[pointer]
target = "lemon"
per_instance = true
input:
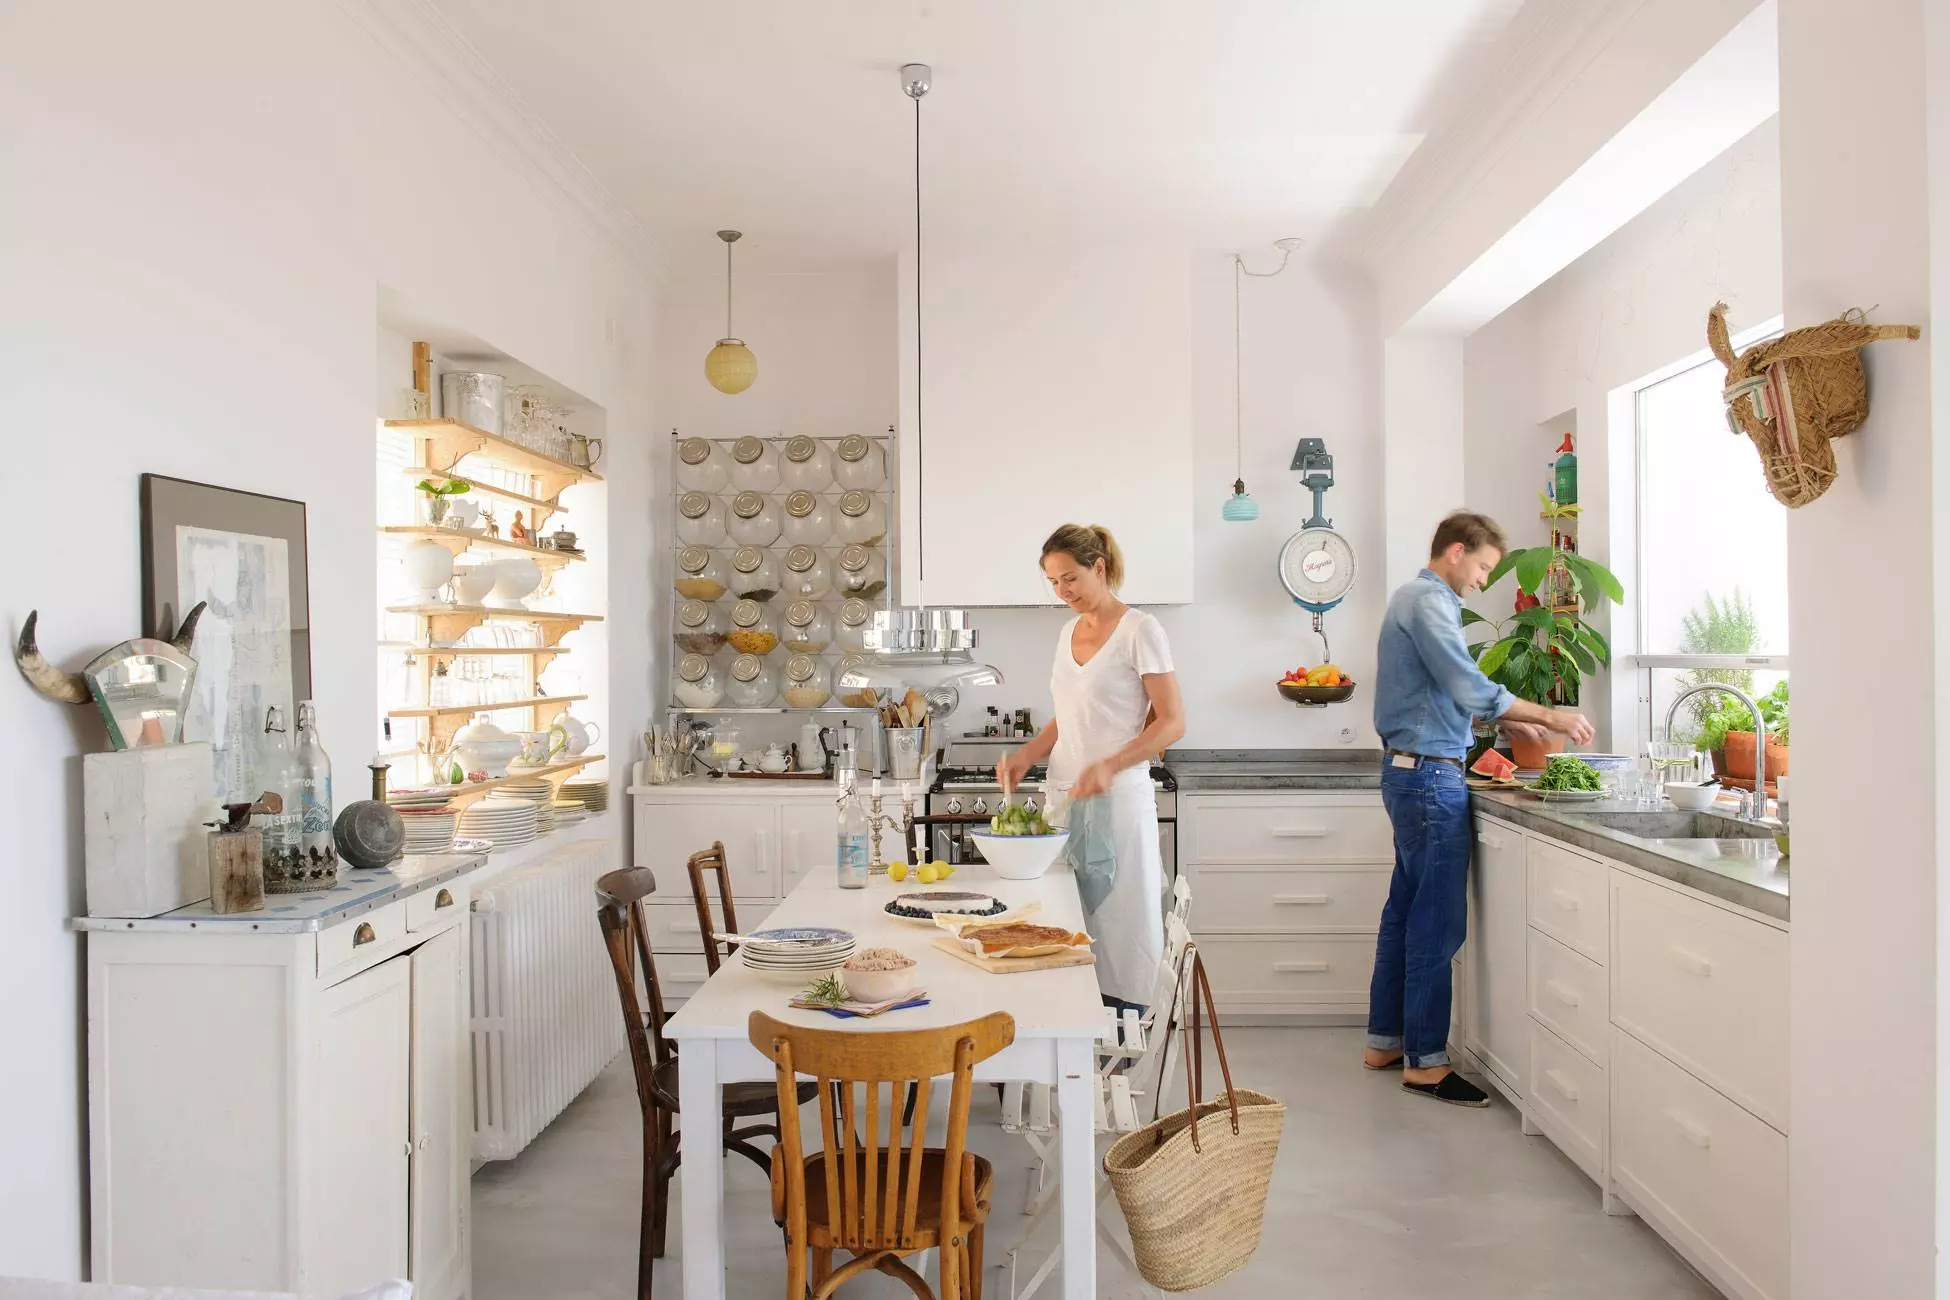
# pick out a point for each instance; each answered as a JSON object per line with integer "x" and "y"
{"x": 943, "y": 870}
{"x": 897, "y": 871}
{"x": 926, "y": 874}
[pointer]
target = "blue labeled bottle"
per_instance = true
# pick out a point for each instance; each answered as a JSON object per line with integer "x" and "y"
{"x": 851, "y": 848}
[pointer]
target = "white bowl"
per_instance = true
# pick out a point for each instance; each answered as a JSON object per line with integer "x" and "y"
{"x": 513, "y": 580}
{"x": 1020, "y": 857}
{"x": 879, "y": 985}
{"x": 472, "y": 584}
{"x": 428, "y": 565}
{"x": 1690, "y": 797}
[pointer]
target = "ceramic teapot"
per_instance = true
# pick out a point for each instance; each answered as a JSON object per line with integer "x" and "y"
{"x": 575, "y": 735}
{"x": 773, "y": 760}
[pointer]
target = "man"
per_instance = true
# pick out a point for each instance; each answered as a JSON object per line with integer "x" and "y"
{"x": 1427, "y": 690}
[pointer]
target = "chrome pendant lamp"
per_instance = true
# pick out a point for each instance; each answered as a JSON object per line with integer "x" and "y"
{"x": 730, "y": 366}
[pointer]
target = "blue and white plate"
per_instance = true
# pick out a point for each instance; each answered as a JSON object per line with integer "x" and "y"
{"x": 803, "y": 936}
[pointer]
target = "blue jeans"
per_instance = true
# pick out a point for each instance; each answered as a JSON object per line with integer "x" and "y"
{"x": 1426, "y": 916}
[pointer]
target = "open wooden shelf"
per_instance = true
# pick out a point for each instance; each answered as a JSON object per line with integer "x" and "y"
{"x": 448, "y": 441}
{"x": 468, "y": 793}
{"x": 452, "y": 622}
{"x": 452, "y": 652}
{"x": 547, "y": 508}
{"x": 452, "y": 710}
{"x": 459, "y": 543}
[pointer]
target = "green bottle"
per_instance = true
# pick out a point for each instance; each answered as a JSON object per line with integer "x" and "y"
{"x": 1566, "y": 485}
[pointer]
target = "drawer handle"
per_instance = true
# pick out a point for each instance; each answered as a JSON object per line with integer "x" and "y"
{"x": 1488, "y": 840}
{"x": 1693, "y": 962}
{"x": 1565, "y": 899}
{"x": 444, "y": 898}
{"x": 1299, "y": 967}
{"x": 1562, "y": 992}
{"x": 1698, "y": 1136}
{"x": 1558, "y": 1080}
{"x": 1302, "y": 900}
{"x": 364, "y": 935}
{"x": 1300, "y": 832}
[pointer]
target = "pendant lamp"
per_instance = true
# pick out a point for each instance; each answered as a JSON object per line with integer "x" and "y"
{"x": 1240, "y": 508}
{"x": 730, "y": 366}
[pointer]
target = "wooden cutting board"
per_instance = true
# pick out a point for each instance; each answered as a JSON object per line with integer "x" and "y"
{"x": 1018, "y": 965}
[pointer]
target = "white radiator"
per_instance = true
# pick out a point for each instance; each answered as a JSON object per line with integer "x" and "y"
{"x": 545, "y": 1016}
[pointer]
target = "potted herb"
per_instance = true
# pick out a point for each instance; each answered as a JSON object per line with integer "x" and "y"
{"x": 1727, "y": 733}
{"x": 1718, "y": 626}
{"x": 435, "y": 496}
{"x": 1540, "y": 653}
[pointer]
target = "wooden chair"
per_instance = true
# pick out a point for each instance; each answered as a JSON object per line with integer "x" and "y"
{"x": 653, "y": 1057}
{"x": 711, "y": 861}
{"x": 880, "y": 1201}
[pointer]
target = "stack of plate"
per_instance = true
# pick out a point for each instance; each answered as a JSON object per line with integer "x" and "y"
{"x": 431, "y": 797}
{"x": 533, "y": 791}
{"x": 568, "y": 813}
{"x": 591, "y": 794}
{"x": 801, "y": 953}
{"x": 544, "y": 817}
{"x": 429, "y": 830}
{"x": 503, "y": 822}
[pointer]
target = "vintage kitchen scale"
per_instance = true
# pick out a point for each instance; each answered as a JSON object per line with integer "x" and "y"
{"x": 1317, "y": 565}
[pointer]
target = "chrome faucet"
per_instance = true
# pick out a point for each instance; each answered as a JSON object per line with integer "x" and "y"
{"x": 1753, "y": 808}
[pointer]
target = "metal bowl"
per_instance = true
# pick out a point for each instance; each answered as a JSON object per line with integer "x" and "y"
{"x": 1315, "y": 696}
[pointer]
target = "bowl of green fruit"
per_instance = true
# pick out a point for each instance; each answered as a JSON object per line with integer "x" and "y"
{"x": 1020, "y": 844}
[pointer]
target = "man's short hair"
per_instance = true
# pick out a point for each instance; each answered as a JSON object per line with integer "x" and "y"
{"x": 1474, "y": 531}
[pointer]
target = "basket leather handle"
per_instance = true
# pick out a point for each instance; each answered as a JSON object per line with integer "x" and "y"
{"x": 1195, "y": 1049}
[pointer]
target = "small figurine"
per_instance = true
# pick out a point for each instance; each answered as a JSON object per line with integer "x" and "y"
{"x": 488, "y": 522}
{"x": 518, "y": 530}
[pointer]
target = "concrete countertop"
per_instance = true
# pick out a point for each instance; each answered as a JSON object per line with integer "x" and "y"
{"x": 1747, "y": 873}
{"x": 1247, "y": 770}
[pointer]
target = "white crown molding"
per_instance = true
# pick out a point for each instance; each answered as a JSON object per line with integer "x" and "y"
{"x": 429, "y": 47}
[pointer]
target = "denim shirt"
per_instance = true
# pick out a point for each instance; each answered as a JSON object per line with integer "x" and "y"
{"x": 1427, "y": 688}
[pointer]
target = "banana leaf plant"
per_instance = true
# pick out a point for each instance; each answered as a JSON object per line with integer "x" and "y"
{"x": 1542, "y": 654}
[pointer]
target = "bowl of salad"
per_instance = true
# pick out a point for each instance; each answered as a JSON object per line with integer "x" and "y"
{"x": 1020, "y": 844}
{"x": 1567, "y": 779}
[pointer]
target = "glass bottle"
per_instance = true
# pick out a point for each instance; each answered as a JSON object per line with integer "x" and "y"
{"x": 753, "y": 520}
{"x": 862, "y": 519}
{"x": 807, "y": 466}
{"x": 863, "y": 573}
{"x": 860, "y": 464}
{"x": 752, "y": 631}
{"x": 754, "y": 574}
{"x": 807, "y": 629}
{"x": 698, "y": 683}
{"x": 752, "y": 684}
{"x": 851, "y": 837}
{"x": 808, "y": 520}
{"x": 754, "y": 466}
{"x": 856, "y": 616}
{"x": 315, "y": 802}
{"x": 700, "y": 520}
{"x": 280, "y": 776}
{"x": 805, "y": 683}
{"x": 700, "y": 628}
{"x": 702, "y": 466}
{"x": 699, "y": 575}
{"x": 806, "y": 576}
{"x": 857, "y": 697}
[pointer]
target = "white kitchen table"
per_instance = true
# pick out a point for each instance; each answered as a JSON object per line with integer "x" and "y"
{"x": 1058, "y": 1014}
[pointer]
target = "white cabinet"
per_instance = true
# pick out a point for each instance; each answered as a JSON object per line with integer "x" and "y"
{"x": 1498, "y": 1025}
{"x": 278, "y": 1100}
{"x": 1287, "y": 891}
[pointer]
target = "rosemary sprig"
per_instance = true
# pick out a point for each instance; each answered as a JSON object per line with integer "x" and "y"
{"x": 827, "y": 990}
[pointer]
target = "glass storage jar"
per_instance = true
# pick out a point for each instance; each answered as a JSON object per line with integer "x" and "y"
{"x": 805, "y": 683}
{"x": 807, "y": 628}
{"x": 699, "y": 575}
{"x": 863, "y": 698}
{"x": 752, "y": 630}
{"x": 752, "y": 684}
{"x": 702, "y": 466}
{"x": 701, "y": 628}
{"x": 700, "y": 520}
{"x": 806, "y": 575}
{"x": 698, "y": 683}
{"x": 860, "y": 463}
{"x": 754, "y": 521}
{"x": 808, "y": 520}
{"x": 754, "y": 466}
{"x": 862, "y": 519}
{"x": 754, "y": 574}
{"x": 806, "y": 466}
{"x": 862, "y": 572}
{"x": 850, "y": 632}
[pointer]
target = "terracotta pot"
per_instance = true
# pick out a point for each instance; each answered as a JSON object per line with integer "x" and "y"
{"x": 1737, "y": 760}
{"x": 1533, "y": 754}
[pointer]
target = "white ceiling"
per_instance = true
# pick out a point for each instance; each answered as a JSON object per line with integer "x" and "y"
{"x": 1231, "y": 121}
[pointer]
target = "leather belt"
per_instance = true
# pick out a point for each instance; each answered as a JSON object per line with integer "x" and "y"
{"x": 1426, "y": 758}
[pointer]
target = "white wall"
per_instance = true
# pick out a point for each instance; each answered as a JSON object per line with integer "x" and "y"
{"x": 1633, "y": 305}
{"x": 200, "y": 221}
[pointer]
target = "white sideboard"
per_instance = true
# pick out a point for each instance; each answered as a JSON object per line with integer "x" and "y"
{"x": 278, "y": 1100}
{"x": 1642, "y": 1027}
{"x": 1287, "y": 891}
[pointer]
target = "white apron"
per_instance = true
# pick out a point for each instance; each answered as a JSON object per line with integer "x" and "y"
{"x": 1100, "y": 708}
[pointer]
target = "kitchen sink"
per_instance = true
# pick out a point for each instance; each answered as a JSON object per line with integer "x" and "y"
{"x": 1657, "y": 825}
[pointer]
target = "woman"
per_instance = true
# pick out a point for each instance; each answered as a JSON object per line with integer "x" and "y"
{"x": 1117, "y": 708}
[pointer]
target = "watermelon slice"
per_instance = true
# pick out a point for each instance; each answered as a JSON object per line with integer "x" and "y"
{"x": 1494, "y": 766}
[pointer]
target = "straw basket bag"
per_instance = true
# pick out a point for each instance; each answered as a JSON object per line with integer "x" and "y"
{"x": 1193, "y": 1201}
{"x": 1794, "y": 393}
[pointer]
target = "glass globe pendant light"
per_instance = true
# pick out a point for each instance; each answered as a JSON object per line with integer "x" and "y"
{"x": 730, "y": 366}
{"x": 1240, "y": 508}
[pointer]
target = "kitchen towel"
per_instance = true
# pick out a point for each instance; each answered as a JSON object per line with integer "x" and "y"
{"x": 1089, "y": 851}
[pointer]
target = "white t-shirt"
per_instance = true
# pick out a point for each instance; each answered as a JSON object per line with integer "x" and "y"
{"x": 1101, "y": 705}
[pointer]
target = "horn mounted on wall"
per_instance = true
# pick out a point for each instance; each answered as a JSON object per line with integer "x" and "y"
{"x": 72, "y": 688}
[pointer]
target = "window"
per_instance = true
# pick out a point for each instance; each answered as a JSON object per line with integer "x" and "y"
{"x": 1712, "y": 575}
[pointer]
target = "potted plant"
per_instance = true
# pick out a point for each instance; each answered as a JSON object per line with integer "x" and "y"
{"x": 1718, "y": 626}
{"x": 1727, "y": 733}
{"x": 435, "y": 495}
{"x": 1540, "y": 653}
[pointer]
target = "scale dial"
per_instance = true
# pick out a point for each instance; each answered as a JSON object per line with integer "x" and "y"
{"x": 1317, "y": 566}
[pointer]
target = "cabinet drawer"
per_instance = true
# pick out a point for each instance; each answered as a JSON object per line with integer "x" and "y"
{"x": 668, "y": 833}
{"x": 1282, "y": 830}
{"x": 364, "y": 941}
{"x": 1707, "y": 988}
{"x": 1571, "y": 1094}
{"x": 1288, "y": 899}
{"x": 1568, "y": 897}
{"x": 1570, "y": 994}
{"x": 1711, "y": 1176}
{"x": 436, "y": 906}
{"x": 1273, "y": 973}
{"x": 674, "y": 930}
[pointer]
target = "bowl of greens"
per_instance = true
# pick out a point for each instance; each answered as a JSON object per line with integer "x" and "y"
{"x": 1020, "y": 844}
{"x": 1567, "y": 779}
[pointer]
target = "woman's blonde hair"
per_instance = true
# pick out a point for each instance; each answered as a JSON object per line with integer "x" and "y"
{"x": 1087, "y": 544}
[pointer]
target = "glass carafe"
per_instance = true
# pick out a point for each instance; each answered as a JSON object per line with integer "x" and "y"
{"x": 806, "y": 466}
{"x": 754, "y": 466}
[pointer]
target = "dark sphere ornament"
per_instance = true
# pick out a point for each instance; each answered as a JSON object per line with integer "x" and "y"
{"x": 369, "y": 834}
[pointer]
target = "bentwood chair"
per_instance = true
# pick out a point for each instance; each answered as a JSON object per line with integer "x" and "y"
{"x": 711, "y": 862}
{"x": 875, "y": 1189}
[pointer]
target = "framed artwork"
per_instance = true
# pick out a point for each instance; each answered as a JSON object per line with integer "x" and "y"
{"x": 244, "y": 555}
